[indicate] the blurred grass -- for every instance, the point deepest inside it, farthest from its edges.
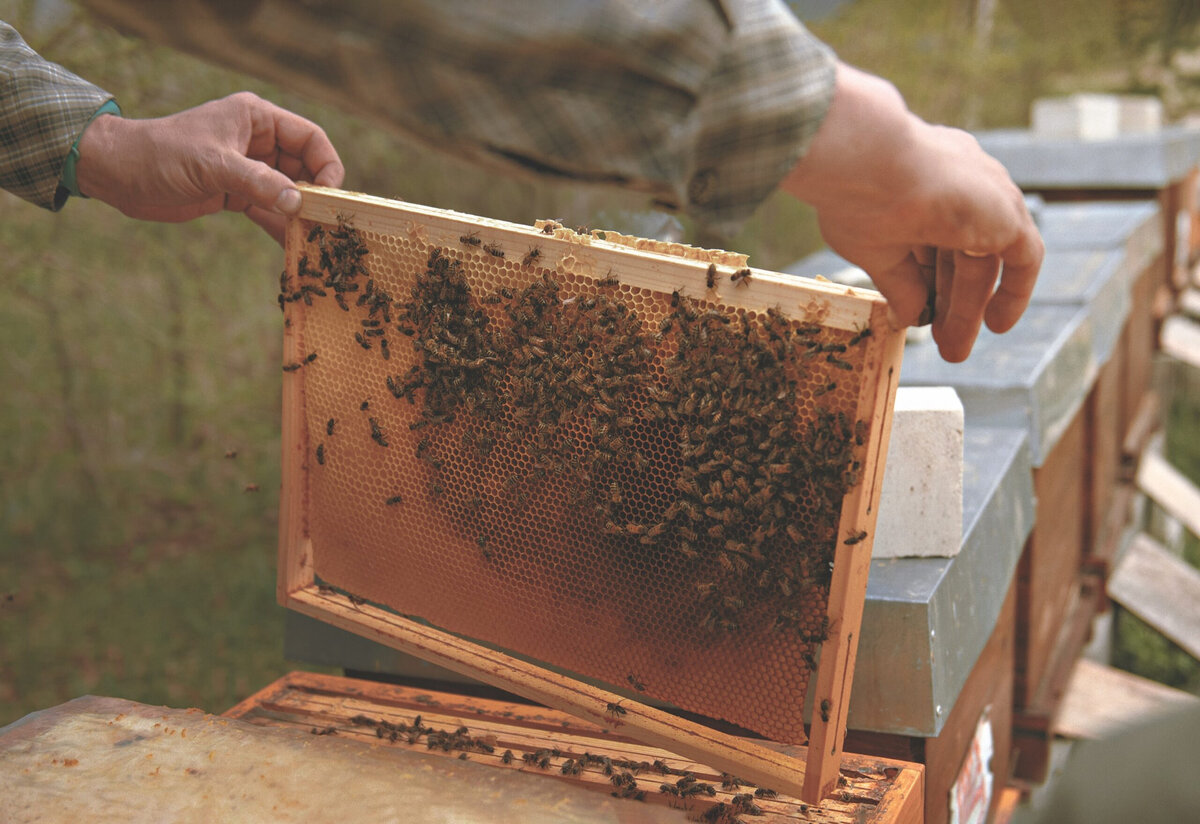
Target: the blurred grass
(134, 356)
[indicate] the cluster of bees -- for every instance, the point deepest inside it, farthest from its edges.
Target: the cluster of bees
(574, 382)
(459, 740)
(622, 773)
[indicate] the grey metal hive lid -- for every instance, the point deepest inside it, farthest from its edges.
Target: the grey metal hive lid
(1134, 161)
(928, 619)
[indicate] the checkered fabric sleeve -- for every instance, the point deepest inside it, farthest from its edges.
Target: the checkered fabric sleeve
(703, 104)
(43, 110)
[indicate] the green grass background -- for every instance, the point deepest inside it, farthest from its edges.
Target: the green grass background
(134, 357)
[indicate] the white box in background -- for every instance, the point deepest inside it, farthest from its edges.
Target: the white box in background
(1077, 117)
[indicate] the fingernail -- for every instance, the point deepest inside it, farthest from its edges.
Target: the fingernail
(288, 202)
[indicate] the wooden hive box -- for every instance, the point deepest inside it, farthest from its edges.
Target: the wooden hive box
(648, 465)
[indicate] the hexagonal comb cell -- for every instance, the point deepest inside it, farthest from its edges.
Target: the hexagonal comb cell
(579, 451)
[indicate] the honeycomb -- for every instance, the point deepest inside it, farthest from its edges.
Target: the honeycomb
(638, 486)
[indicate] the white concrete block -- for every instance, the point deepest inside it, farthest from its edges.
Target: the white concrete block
(920, 508)
(1140, 114)
(1077, 117)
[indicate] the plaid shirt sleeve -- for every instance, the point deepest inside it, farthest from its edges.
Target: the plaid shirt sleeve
(704, 105)
(43, 110)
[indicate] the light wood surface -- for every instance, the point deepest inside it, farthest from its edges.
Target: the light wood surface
(1101, 700)
(1170, 489)
(1161, 589)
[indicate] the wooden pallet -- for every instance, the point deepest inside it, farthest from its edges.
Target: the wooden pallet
(869, 790)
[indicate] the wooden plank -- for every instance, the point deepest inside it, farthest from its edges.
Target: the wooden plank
(1189, 303)
(848, 590)
(1049, 568)
(1161, 589)
(295, 550)
(1181, 340)
(1170, 489)
(726, 752)
(902, 803)
(1146, 422)
(872, 790)
(1099, 700)
(651, 265)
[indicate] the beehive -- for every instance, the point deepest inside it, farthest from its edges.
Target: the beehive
(644, 464)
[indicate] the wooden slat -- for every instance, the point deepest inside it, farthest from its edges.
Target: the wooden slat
(1100, 700)
(848, 589)
(653, 726)
(1162, 590)
(1170, 489)
(834, 305)
(1189, 303)
(295, 550)
(1181, 340)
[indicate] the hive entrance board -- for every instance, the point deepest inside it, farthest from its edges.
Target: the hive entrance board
(580, 451)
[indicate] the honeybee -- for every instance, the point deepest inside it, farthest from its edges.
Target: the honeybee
(741, 277)
(710, 277)
(858, 537)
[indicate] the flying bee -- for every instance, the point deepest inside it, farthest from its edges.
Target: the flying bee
(493, 250)
(470, 240)
(741, 277)
(825, 710)
(855, 538)
(710, 277)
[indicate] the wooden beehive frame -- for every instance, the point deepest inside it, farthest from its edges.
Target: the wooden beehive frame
(835, 306)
